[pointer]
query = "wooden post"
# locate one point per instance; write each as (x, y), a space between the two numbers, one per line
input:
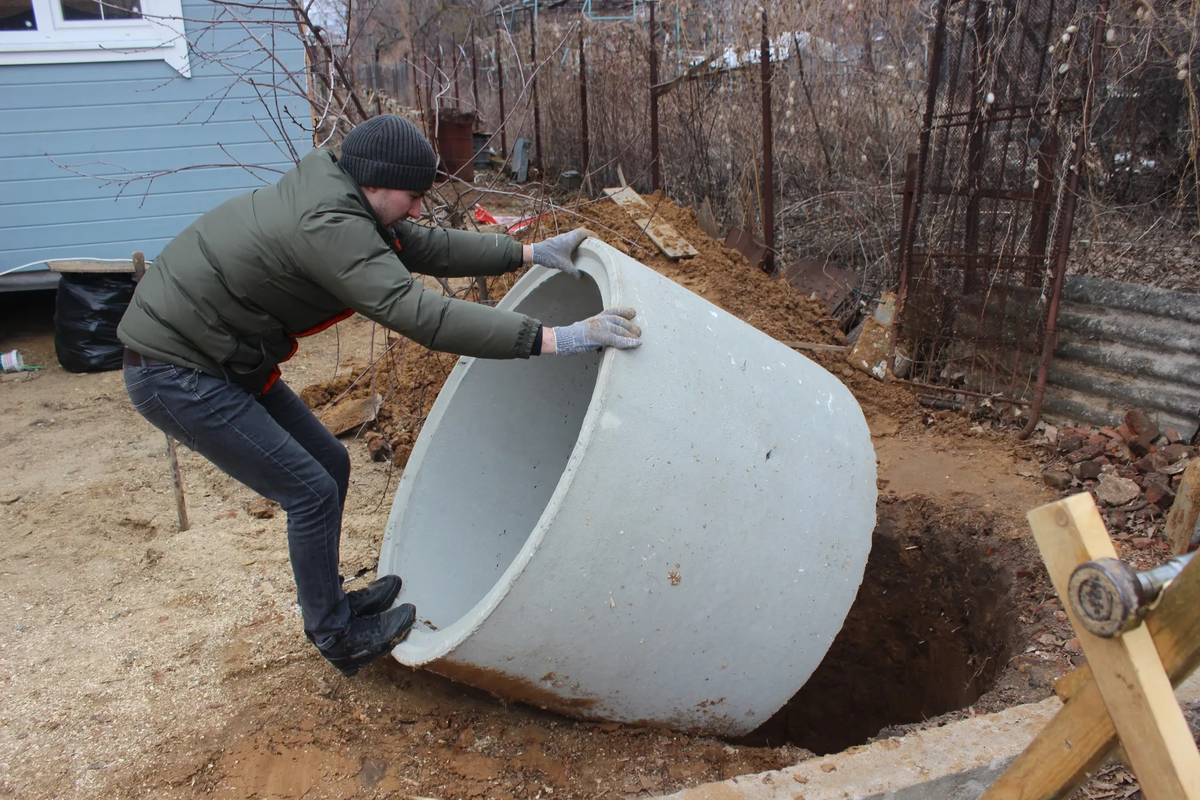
(1127, 689)
(139, 271)
(1181, 522)
(177, 482)
(655, 159)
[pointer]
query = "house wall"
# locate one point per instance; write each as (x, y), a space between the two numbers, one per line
(114, 119)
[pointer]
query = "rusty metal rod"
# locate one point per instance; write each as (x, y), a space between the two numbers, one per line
(1050, 342)
(454, 66)
(906, 239)
(969, 393)
(812, 111)
(655, 155)
(768, 198)
(500, 87)
(537, 105)
(475, 75)
(583, 107)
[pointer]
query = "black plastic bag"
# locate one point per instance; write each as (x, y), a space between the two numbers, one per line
(87, 311)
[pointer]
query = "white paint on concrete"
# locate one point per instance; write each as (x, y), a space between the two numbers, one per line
(618, 535)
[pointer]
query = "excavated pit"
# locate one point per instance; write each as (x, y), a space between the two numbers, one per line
(928, 633)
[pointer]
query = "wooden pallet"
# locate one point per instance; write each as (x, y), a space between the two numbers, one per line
(667, 239)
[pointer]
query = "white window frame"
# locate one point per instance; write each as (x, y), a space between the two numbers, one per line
(157, 35)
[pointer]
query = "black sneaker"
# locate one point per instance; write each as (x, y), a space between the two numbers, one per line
(370, 638)
(376, 598)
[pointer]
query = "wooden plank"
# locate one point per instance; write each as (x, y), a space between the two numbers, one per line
(1136, 690)
(1081, 736)
(349, 414)
(1128, 691)
(833, 348)
(1181, 522)
(660, 232)
(90, 266)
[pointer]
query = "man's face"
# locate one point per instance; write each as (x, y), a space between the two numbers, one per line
(393, 205)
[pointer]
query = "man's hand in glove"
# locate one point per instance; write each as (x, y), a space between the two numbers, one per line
(609, 328)
(556, 252)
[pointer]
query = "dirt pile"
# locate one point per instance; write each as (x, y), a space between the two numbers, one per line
(408, 377)
(718, 274)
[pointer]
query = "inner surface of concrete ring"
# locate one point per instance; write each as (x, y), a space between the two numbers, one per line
(500, 450)
(672, 534)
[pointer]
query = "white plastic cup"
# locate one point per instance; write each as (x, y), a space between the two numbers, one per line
(12, 361)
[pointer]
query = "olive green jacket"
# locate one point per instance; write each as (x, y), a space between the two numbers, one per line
(230, 294)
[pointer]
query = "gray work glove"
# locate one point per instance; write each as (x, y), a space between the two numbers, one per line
(556, 252)
(610, 328)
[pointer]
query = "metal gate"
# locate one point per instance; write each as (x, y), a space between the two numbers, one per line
(990, 194)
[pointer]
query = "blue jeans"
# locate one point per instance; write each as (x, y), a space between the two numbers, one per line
(276, 446)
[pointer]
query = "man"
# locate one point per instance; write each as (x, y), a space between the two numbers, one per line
(226, 300)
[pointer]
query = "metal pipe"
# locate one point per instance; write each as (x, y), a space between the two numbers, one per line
(475, 75)
(768, 198)
(537, 106)
(655, 165)
(812, 111)
(583, 107)
(500, 85)
(457, 84)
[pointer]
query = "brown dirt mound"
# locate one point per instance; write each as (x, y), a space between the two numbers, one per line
(718, 274)
(408, 376)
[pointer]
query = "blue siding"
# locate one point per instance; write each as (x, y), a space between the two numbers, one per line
(114, 119)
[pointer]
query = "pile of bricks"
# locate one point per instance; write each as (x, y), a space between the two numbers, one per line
(1133, 469)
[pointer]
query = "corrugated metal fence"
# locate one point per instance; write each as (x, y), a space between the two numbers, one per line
(1120, 346)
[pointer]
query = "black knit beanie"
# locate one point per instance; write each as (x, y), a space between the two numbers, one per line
(389, 152)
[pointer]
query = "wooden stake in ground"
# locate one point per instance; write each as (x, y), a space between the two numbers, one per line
(139, 270)
(1181, 522)
(1125, 691)
(177, 482)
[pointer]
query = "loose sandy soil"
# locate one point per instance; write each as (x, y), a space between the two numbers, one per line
(139, 661)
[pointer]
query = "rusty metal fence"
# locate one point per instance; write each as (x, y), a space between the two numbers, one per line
(990, 194)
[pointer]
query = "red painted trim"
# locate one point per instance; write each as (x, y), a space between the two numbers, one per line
(334, 320)
(349, 312)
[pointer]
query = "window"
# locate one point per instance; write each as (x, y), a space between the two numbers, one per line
(17, 15)
(75, 31)
(74, 10)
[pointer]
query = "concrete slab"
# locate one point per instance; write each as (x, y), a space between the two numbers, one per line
(955, 762)
(958, 756)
